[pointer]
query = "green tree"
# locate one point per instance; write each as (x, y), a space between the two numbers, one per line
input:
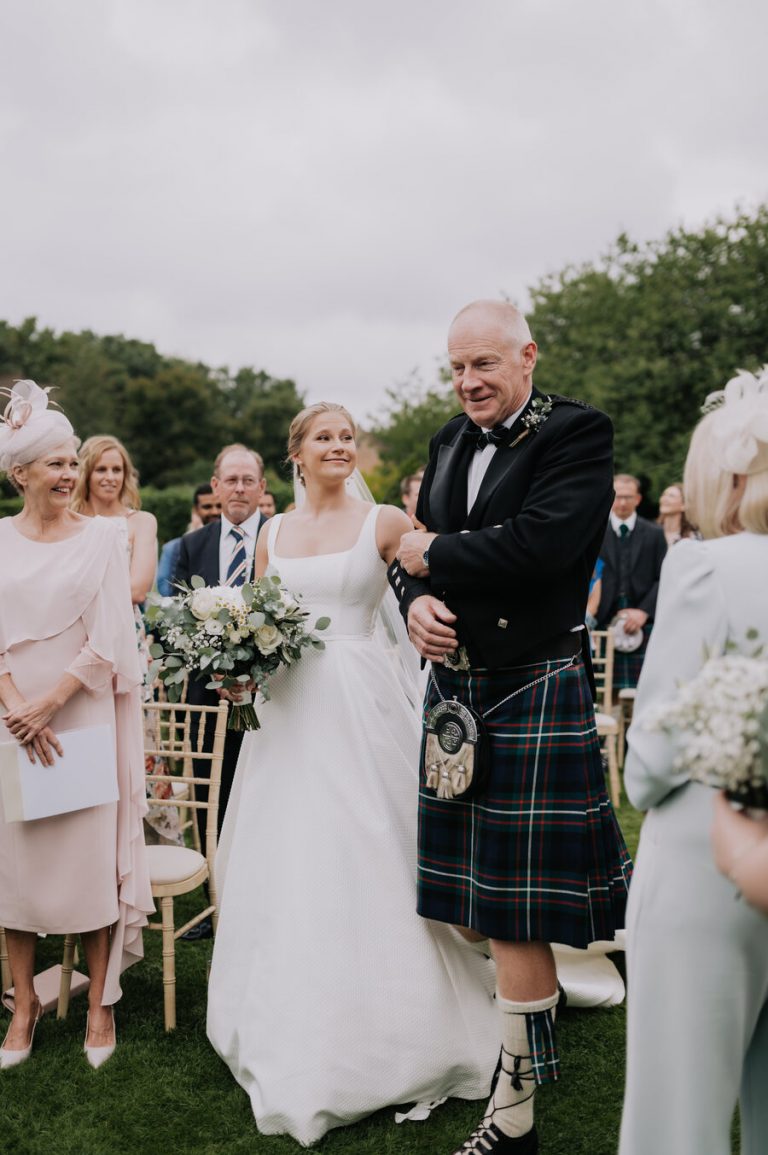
(173, 415)
(260, 409)
(650, 329)
(412, 416)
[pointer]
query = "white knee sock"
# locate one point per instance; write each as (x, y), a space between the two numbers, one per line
(511, 1105)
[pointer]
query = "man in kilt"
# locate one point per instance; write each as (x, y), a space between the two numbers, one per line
(515, 500)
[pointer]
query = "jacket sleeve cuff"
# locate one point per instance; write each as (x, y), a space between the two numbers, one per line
(405, 587)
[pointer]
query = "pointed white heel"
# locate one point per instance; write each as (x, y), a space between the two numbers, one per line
(96, 1056)
(13, 1058)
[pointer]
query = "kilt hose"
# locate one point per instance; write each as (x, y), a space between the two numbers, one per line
(538, 856)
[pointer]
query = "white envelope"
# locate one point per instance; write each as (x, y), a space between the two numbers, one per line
(85, 775)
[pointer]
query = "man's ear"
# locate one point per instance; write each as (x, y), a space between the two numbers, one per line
(529, 353)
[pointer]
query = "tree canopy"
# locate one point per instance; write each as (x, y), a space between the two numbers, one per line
(647, 331)
(644, 333)
(173, 415)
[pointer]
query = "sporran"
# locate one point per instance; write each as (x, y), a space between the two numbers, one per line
(456, 753)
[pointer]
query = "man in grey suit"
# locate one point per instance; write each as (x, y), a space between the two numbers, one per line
(222, 554)
(632, 552)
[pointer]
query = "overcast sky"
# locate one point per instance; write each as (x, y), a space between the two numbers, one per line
(315, 188)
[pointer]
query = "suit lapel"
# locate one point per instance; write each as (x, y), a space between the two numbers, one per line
(610, 550)
(209, 561)
(448, 491)
(501, 463)
(635, 544)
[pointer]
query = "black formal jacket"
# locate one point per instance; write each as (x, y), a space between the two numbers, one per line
(516, 569)
(199, 554)
(646, 548)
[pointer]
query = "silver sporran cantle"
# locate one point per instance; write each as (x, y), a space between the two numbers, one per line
(455, 759)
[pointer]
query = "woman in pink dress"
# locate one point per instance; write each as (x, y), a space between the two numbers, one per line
(68, 659)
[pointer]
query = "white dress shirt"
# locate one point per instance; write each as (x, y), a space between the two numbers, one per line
(228, 544)
(616, 523)
(478, 466)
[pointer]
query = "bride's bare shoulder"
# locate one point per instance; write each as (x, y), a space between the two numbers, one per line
(391, 524)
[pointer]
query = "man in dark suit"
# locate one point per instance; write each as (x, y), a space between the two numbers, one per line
(632, 552)
(222, 554)
(514, 499)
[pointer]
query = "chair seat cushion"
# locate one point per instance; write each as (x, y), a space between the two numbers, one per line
(168, 864)
(606, 723)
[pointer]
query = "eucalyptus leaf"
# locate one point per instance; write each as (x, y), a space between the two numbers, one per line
(322, 623)
(196, 581)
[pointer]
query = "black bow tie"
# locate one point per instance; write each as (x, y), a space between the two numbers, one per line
(499, 435)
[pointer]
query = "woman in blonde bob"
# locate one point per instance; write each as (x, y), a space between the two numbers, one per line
(697, 958)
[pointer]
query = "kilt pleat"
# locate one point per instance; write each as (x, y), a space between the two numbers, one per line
(539, 855)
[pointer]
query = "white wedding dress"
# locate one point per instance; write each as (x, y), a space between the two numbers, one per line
(329, 997)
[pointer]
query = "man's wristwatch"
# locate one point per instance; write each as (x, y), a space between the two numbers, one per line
(425, 558)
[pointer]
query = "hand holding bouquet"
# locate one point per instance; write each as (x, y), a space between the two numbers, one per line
(721, 719)
(237, 635)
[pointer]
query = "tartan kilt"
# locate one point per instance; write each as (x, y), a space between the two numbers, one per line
(627, 667)
(539, 855)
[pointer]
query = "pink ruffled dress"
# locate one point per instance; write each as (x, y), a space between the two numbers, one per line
(66, 607)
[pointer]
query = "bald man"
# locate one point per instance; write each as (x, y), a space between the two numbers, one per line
(515, 500)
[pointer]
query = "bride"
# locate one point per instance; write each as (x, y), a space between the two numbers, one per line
(329, 997)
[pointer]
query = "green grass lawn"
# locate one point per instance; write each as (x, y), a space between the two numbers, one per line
(170, 1094)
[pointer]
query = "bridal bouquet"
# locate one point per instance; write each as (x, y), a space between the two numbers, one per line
(237, 635)
(722, 715)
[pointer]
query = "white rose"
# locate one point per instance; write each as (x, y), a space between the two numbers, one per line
(267, 638)
(203, 603)
(235, 636)
(214, 627)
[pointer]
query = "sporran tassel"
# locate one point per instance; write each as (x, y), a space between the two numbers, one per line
(460, 779)
(445, 789)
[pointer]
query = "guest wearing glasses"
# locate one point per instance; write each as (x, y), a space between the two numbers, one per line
(222, 554)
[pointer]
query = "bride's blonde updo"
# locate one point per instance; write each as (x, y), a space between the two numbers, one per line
(299, 427)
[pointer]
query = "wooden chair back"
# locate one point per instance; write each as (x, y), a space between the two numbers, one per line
(602, 664)
(176, 733)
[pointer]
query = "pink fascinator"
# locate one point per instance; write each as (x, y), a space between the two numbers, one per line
(28, 427)
(740, 428)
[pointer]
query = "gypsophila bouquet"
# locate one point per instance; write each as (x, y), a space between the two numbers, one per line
(721, 720)
(235, 635)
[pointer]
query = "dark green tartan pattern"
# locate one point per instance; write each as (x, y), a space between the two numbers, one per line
(545, 1058)
(539, 856)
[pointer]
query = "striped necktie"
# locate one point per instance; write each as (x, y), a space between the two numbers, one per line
(239, 563)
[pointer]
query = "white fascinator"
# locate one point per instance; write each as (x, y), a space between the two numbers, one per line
(29, 427)
(740, 427)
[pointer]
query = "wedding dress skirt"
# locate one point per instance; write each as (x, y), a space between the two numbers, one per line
(329, 997)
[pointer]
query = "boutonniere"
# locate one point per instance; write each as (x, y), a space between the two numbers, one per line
(541, 407)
